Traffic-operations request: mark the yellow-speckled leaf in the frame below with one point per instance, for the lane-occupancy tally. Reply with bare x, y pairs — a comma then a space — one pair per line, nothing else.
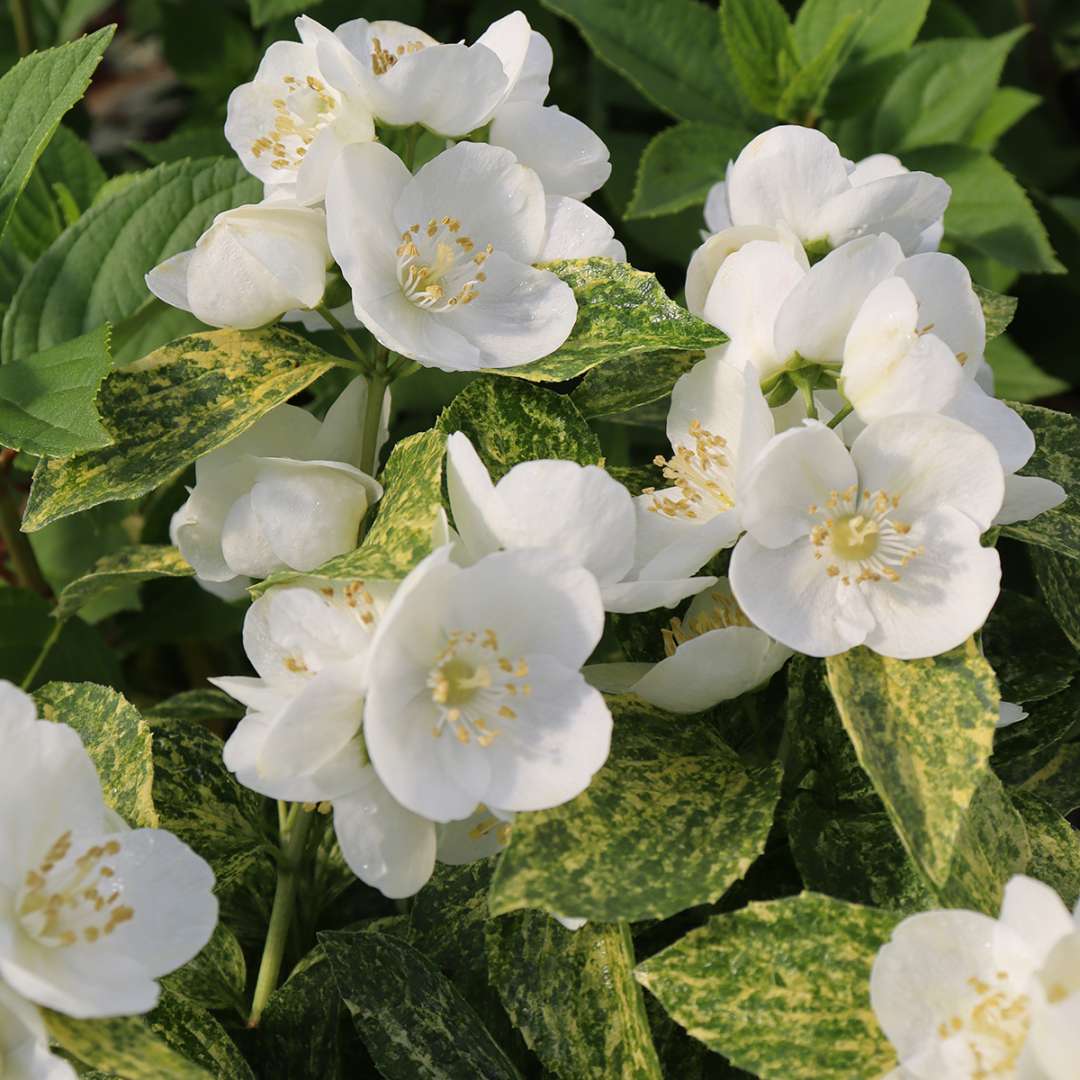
412, 1020
128, 566
629, 381
620, 310
922, 730
405, 525
998, 310
671, 820
175, 405
1055, 846
193, 1032
782, 989
573, 995
117, 739
513, 422
217, 977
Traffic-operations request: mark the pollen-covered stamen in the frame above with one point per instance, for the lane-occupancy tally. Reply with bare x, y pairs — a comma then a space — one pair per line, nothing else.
382, 60
473, 685
490, 824
438, 267
72, 897
724, 611
859, 537
994, 1030
304, 109
700, 472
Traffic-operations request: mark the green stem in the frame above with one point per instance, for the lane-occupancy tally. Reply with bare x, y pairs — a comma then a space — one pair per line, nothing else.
409, 157
21, 554
369, 444
281, 914
807, 392
24, 27
841, 416
363, 361
43, 654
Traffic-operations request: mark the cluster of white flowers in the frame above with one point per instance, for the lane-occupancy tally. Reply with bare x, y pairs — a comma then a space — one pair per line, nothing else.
441, 263
91, 912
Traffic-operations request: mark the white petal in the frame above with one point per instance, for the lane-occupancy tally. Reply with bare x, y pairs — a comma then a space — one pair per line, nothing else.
644, 595
472, 497
1035, 913
475, 837
717, 214
532, 80
1009, 714
168, 280
673, 547
386, 846
944, 594
616, 678
420, 335
787, 592
341, 433
798, 469
577, 510
713, 667
574, 231
1027, 497
510, 39
817, 314
947, 302
1004, 427
243, 544
17, 708
876, 167
570, 158
24, 1045
786, 174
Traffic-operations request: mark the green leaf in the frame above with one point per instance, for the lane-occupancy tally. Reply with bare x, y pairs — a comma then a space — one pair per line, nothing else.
1016, 376
1059, 583
263, 11
217, 977
1008, 105
34, 95
511, 422
573, 995
183, 401
627, 382
1058, 781
781, 988
94, 272
26, 623
803, 98
988, 210
191, 1031
190, 141
117, 739
681, 164
129, 565
922, 730
1055, 846
941, 92
1023, 749
998, 310
414, 1023
671, 52
620, 310
48, 403
404, 528
887, 28
761, 49
1057, 450
671, 820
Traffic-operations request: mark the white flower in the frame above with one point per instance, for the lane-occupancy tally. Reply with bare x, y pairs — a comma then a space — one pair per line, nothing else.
713, 654
579, 511
281, 495
917, 345
575, 231
288, 125
718, 424
91, 913
252, 265
796, 177
440, 263
1009, 714
877, 547
476, 693
960, 994
24, 1043
406, 77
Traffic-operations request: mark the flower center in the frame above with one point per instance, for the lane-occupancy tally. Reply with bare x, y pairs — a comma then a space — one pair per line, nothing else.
306, 108
700, 472
438, 267
470, 685
723, 613
861, 539
382, 60
69, 898
994, 1031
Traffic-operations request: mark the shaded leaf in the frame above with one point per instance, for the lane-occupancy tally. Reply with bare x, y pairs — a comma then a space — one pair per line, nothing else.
129, 565
998, 310
761, 48
1059, 584
1016, 376
217, 977
630, 381
1055, 846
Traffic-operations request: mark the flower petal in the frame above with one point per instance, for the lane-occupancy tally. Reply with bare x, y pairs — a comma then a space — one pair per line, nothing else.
576, 231
168, 280
1004, 427
627, 597
947, 302
472, 497
717, 214
1035, 913
1027, 497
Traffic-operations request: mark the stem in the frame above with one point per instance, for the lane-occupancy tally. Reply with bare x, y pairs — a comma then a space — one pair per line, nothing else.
24, 28
377, 385
18, 547
841, 416
410, 146
363, 361
807, 392
292, 850
43, 654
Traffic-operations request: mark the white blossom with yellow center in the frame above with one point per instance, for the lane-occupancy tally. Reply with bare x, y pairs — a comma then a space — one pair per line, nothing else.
476, 693
718, 423
876, 546
91, 913
963, 996
440, 263
288, 124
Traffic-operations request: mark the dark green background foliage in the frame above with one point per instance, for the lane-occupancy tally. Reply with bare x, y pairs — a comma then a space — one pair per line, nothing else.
786, 831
